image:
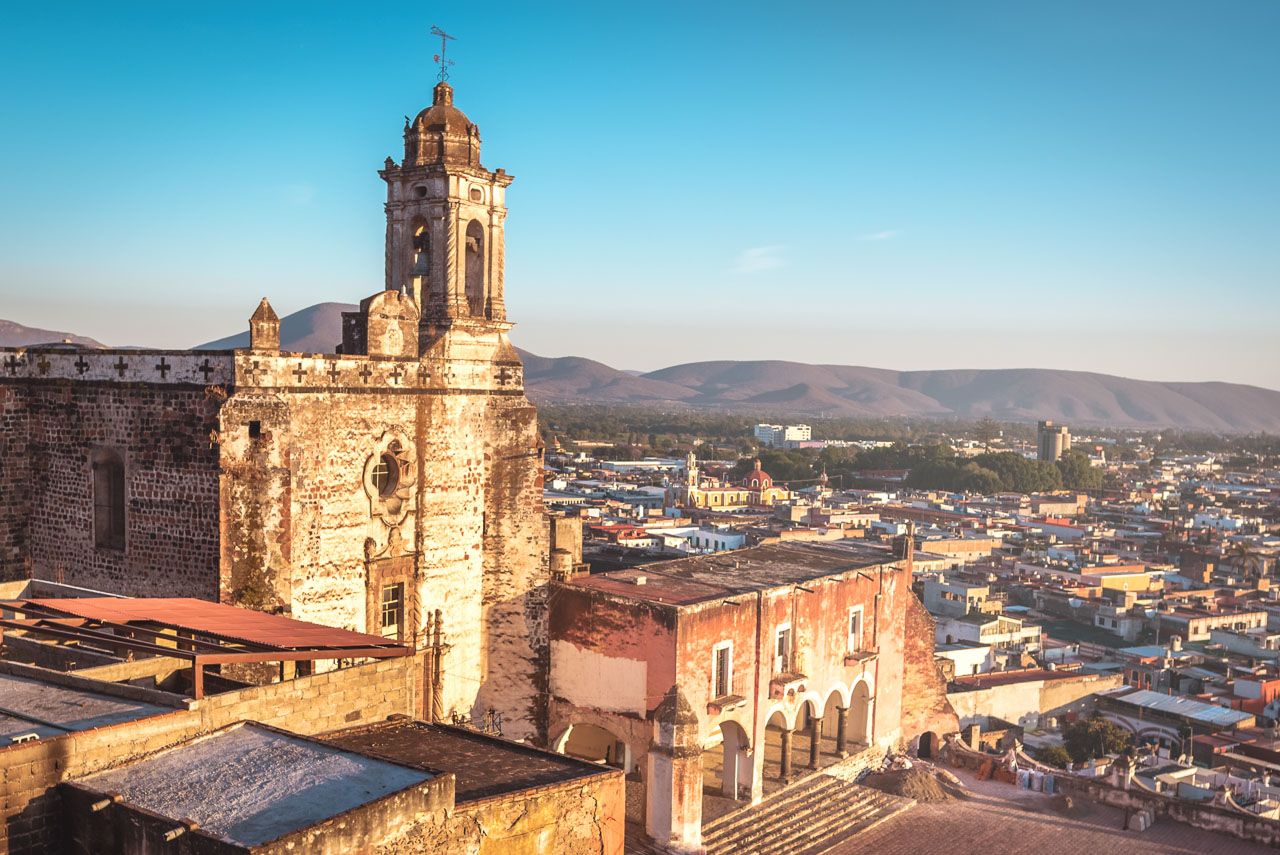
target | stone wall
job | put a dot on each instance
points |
(15, 477)
(308, 705)
(162, 434)
(584, 815)
(925, 707)
(516, 549)
(1027, 702)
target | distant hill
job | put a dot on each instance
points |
(803, 390)
(13, 334)
(795, 389)
(315, 329)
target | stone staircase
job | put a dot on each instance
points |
(805, 819)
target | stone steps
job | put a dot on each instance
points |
(806, 819)
(636, 842)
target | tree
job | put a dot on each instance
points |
(1020, 475)
(1094, 737)
(1078, 473)
(1053, 755)
(987, 430)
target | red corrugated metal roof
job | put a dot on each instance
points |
(216, 619)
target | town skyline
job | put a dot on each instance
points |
(962, 188)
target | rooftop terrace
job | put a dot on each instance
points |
(686, 581)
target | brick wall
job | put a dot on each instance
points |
(308, 705)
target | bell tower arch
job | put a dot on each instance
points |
(445, 220)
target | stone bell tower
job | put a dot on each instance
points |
(480, 534)
(445, 217)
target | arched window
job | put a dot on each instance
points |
(108, 500)
(475, 268)
(421, 251)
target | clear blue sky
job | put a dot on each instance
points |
(1088, 185)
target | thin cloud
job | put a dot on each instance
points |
(887, 234)
(758, 258)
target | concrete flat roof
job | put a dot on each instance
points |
(249, 785)
(686, 581)
(51, 709)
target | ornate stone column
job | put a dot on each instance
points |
(454, 290)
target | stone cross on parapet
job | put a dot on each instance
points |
(396, 374)
(206, 369)
(300, 372)
(121, 366)
(254, 372)
(43, 365)
(81, 364)
(164, 368)
(12, 364)
(365, 372)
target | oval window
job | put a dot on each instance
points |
(386, 475)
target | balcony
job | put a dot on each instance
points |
(725, 703)
(786, 684)
(860, 657)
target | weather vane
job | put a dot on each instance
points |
(445, 38)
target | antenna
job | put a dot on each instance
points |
(445, 38)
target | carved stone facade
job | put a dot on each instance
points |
(315, 484)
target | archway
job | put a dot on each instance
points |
(860, 715)
(595, 744)
(475, 285)
(808, 736)
(777, 751)
(727, 771)
(927, 749)
(835, 726)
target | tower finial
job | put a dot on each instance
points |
(445, 38)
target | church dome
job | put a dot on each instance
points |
(442, 133)
(757, 478)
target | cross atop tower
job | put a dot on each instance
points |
(445, 38)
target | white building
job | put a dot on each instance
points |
(777, 435)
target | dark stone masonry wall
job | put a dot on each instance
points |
(163, 434)
(14, 478)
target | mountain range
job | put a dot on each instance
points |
(13, 334)
(794, 389)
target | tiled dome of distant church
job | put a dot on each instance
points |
(757, 478)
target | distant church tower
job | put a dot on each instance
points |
(445, 217)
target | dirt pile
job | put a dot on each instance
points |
(915, 783)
